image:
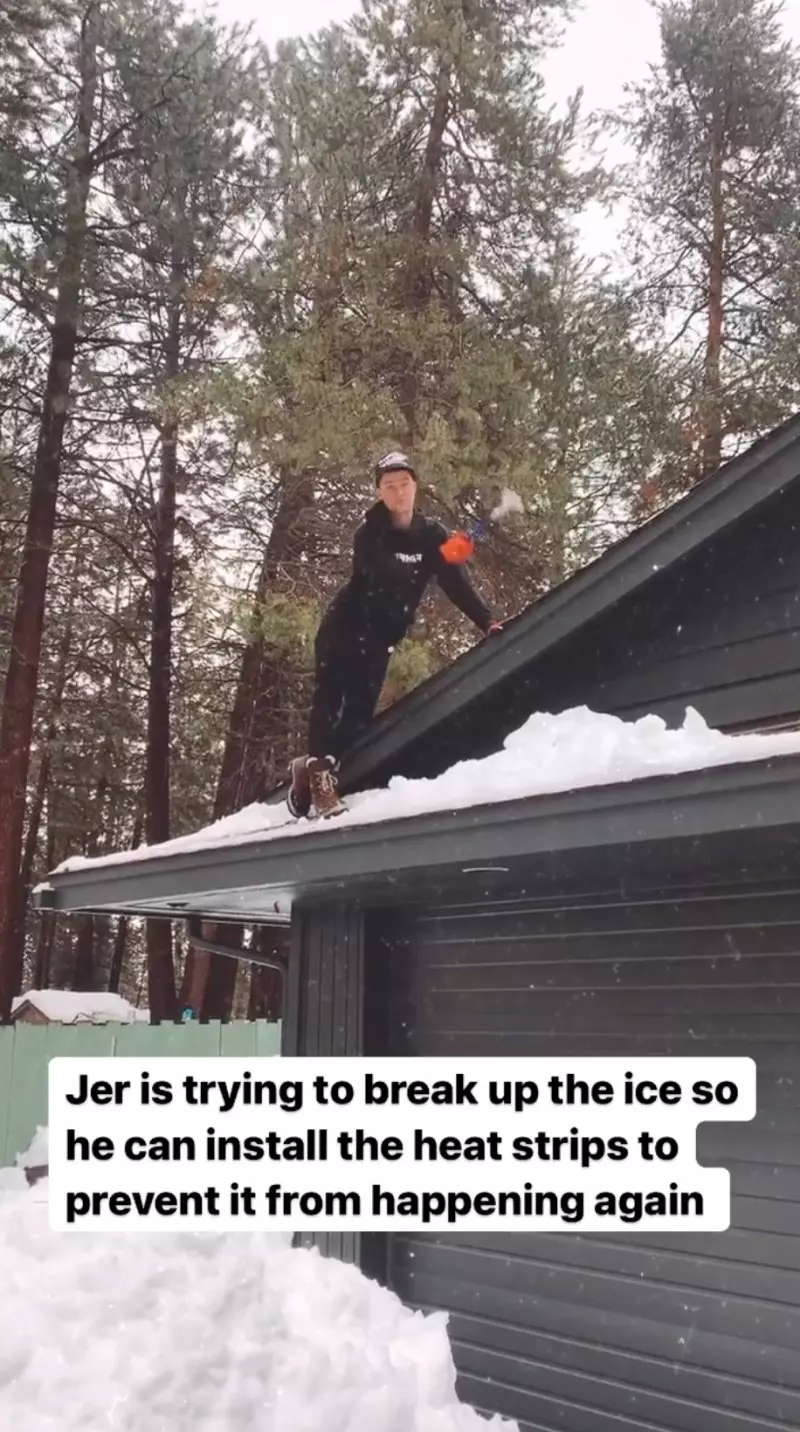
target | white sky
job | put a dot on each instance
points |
(608, 44)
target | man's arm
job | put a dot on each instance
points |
(456, 585)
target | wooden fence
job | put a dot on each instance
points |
(26, 1051)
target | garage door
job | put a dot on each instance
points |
(626, 1333)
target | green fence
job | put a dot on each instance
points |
(26, 1051)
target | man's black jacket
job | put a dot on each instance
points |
(392, 566)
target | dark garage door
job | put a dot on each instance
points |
(625, 1333)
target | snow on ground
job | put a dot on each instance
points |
(547, 754)
(38, 1150)
(13, 1180)
(35, 1156)
(65, 1006)
(207, 1333)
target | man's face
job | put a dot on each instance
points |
(398, 491)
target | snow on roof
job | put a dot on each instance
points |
(199, 1332)
(548, 754)
(65, 1006)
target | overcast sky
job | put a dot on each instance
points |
(608, 44)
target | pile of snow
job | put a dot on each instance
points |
(206, 1333)
(12, 1180)
(38, 1150)
(66, 1006)
(548, 754)
(35, 1157)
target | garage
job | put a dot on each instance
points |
(583, 1333)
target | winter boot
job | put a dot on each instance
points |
(299, 798)
(324, 785)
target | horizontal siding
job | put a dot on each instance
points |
(669, 668)
(664, 1332)
(618, 1360)
(745, 702)
(720, 633)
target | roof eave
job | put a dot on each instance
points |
(338, 862)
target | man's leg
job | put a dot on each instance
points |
(326, 709)
(351, 669)
(332, 666)
(362, 668)
(364, 677)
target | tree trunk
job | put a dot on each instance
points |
(267, 984)
(237, 740)
(419, 276)
(32, 839)
(43, 778)
(44, 947)
(47, 930)
(222, 971)
(121, 937)
(16, 725)
(84, 972)
(209, 980)
(118, 955)
(284, 548)
(711, 449)
(560, 517)
(160, 967)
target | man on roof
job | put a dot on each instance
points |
(397, 552)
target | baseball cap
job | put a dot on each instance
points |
(393, 462)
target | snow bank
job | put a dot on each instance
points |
(13, 1179)
(38, 1150)
(65, 1006)
(547, 754)
(199, 1333)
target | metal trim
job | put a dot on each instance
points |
(232, 952)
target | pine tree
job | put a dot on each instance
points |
(716, 132)
(183, 196)
(26, 634)
(370, 331)
(420, 175)
(56, 236)
(23, 22)
(410, 292)
(427, 245)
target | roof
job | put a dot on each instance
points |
(65, 1006)
(532, 839)
(254, 871)
(735, 491)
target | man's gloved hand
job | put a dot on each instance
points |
(458, 548)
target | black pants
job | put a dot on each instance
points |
(351, 666)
